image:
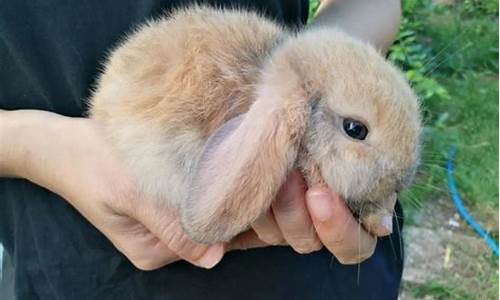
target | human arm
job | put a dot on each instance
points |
(374, 21)
(70, 157)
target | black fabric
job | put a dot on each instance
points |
(49, 57)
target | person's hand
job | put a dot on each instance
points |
(70, 157)
(309, 219)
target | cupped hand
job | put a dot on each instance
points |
(73, 160)
(309, 219)
(70, 157)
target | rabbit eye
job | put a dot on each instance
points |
(355, 129)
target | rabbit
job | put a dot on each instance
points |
(211, 108)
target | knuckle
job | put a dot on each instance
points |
(173, 236)
(178, 246)
(188, 251)
(176, 242)
(179, 243)
(196, 254)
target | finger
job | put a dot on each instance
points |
(143, 249)
(206, 256)
(380, 223)
(167, 228)
(247, 240)
(292, 217)
(337, 228)
(136, 242)
(155, 256)
(267, 230)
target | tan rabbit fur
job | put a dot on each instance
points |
(212, 108)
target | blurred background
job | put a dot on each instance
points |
(449, 52)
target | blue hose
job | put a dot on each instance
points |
(452, 187)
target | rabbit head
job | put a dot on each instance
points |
(326, 103)
(364, 131)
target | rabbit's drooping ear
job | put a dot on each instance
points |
(245, 162)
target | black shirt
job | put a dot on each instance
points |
(50, 54)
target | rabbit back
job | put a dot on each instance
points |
(172, 83)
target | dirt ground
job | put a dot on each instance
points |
(445, 259)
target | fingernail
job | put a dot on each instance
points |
(211, 257)
(387, 222)
(385, 226)
(321, 205)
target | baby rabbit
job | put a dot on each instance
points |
(212, 108)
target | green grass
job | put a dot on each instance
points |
(441, 291)
(313, 7)
(463, 46)
(480, 285)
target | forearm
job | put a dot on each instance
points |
(374, 21)
(20, 131)
(30, 143)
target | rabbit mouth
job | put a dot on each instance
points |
(360, 208)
